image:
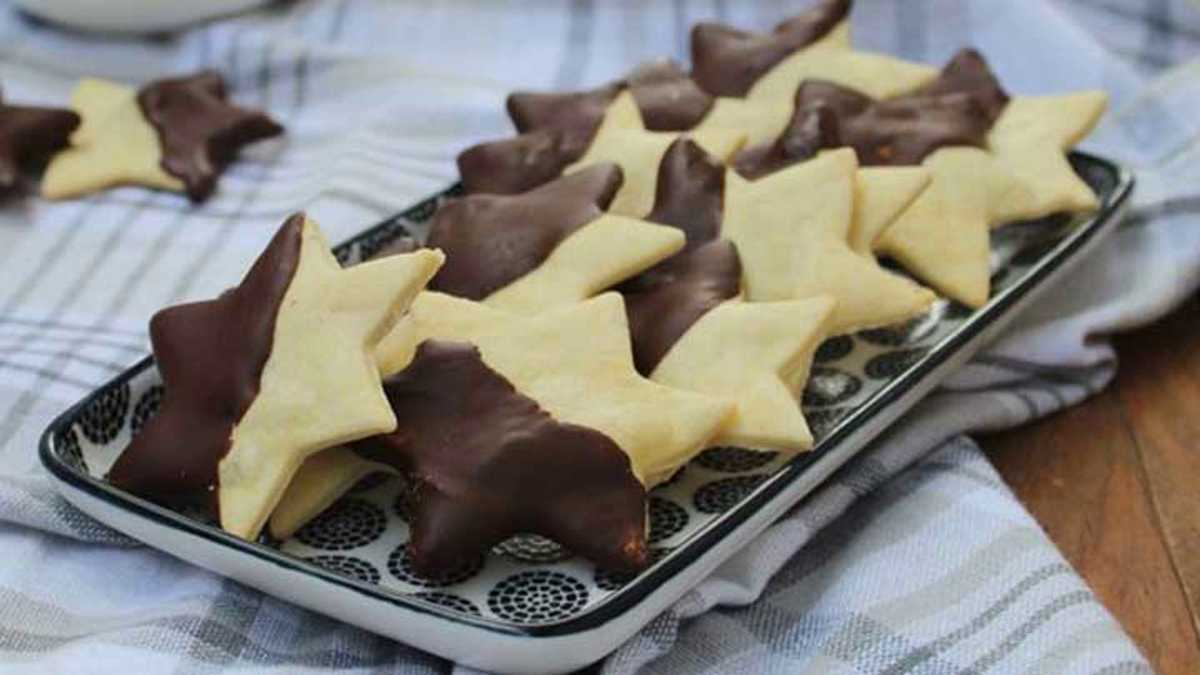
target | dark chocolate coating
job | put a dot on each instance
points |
(691, 192)
(515, 165)
(665, 301)
(667, 97)
(492, 240)
(28, 136)
(199, 130)
(727, 61)
(968, 73)
(811, 129)
(211, 355)
(557, 129)
(958, 108)
(575, 115)
(487, 463)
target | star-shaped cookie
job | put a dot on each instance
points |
(568, 132)
(28, 136)
(1031, 139)
(318, 483)
(174, 134)
(571, 370)
(756, 75)
(267, 374)
(991, 160)
(792, 229)
(550, 246)
(727, 61)
(622, 139)
(691, 330)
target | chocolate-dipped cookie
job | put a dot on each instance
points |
(511, 424)
(958, 108)
(667, 98)
(175, 134)
(28, 137)
(570, 138)
(488, 462)
(959, 127)
(690, 329)
(727, 61)
(238, 376)
(552, 245)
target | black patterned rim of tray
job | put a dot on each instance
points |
(1113, 183)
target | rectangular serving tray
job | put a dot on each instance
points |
(528, 606)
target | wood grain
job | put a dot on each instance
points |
(1159, 390)
(1114, 481)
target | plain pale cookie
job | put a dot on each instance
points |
(881, 194)
(752, 352)
(792, 231)
(943, 237)
(1031, 139)
(320, 481)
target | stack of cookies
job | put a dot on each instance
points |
(643, 272)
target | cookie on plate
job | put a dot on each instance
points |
(691, 329)
(550, 246)
(272, 371)
(992, 160)
(510, 424)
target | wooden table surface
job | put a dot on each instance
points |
(1115, 482)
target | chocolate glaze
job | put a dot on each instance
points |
(691, 192)
(28, 136)
(575, 115)
(487, 463)
(556, 129)
(515, 165)
(665, 301)
(670, 299)
(969, 73)
(667, 97)
(958, 108)
(211, 355)
(492, 240)
(199, 130)
(812, 128)
(727, 61)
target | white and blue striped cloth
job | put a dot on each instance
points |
(913, 559)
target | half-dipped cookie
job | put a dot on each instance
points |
(175, 134)
(510, 424)
(270, 372)
(550, 246)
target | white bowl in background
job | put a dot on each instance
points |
(132, 16)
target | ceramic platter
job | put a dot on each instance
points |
(529, 606)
